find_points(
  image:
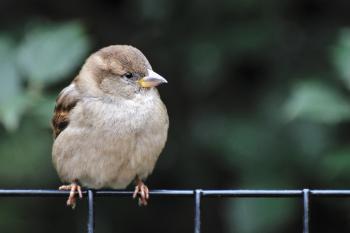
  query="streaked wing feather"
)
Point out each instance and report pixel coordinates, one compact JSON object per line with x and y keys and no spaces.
{"x":66,"y":101}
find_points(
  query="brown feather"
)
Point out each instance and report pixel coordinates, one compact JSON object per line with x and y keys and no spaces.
{"x":65,"y":102}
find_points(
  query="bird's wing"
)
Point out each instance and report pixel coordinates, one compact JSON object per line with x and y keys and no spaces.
{"x":65,"y":102}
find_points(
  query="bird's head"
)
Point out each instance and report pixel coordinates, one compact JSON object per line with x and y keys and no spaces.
{"x":119,"y":70}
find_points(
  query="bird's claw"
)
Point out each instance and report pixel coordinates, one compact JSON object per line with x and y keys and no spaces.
{"x":142,"y":191}
{"x":73,"y":188}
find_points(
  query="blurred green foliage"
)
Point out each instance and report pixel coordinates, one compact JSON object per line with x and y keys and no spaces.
{"x":258,"y":97}
{"x":43,"y":54}
{"x":317,"y":102}
{"x":58,"y":50}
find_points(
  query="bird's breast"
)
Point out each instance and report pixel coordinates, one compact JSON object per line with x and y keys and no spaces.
{"x":115,"y":140}
{"x":121,"y":116}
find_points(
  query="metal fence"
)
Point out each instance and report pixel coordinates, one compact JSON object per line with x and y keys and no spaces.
{"x":198,"y":194}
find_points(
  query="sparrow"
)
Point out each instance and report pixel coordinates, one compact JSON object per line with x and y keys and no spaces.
{"x":110,"y":124}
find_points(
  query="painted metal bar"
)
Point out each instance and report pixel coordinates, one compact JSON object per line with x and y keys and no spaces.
{"x":252,"y":193}
{"x":91,"y":212}
{"x":305,"y":194}
{"x":330,"y":193}
{"x":177,"y":193}
{"x":197,"y":210}
{"x":306,"y":215}
{"x":33,"y":193}
{"x":180,"y":193}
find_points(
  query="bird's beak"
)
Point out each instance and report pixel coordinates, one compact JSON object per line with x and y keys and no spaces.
{"x":152,"y":79}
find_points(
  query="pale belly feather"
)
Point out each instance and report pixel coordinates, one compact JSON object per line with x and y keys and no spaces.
{"x":111,"y":146}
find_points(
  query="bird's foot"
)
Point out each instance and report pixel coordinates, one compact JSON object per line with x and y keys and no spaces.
{"x":142,"y":191}
{"x":73,"y":188}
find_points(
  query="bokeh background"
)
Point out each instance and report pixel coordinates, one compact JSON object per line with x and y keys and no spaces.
{"x":258,"y":97}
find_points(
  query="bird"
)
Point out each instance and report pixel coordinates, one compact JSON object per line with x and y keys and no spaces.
{"x":109,"y":124}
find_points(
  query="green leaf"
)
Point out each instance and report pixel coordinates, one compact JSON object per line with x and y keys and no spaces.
{"x":336,"y":165}
{"x":25,"y":154}
{"x":240,"y":141}
{"x":49,"y":53}
{"x":12,"y":102}
{"x":12,"y":111}
{"x":9,"y":78}
{"x":43,"y":110}
{"x":341,"y":55}
{"x":259,"y":215}
{"x":317,"y":102}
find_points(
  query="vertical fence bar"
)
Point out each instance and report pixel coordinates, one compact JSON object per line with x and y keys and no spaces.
{"x":91,"y":212}
{"x":197,"y":210}
{"x":306,"y":204}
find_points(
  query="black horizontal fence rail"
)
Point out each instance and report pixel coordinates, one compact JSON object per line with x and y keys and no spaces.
{"x":196,"y":194}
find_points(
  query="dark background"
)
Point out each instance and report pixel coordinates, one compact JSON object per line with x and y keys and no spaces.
{"x":258,"y":97}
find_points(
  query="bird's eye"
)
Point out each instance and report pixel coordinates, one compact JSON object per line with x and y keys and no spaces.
{"x":128,"y":75}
